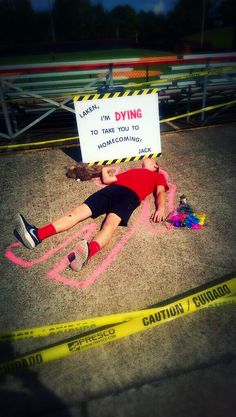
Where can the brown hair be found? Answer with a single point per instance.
(83, 171)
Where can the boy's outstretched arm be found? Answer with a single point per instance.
(160, 200)
(108, 175)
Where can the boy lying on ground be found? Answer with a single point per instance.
(118, 200)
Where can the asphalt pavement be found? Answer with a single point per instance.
(183, 368)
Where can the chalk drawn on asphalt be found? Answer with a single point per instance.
(86, 232)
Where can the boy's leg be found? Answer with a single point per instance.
(107, 230)
(31, 236)
(72, 217)
(101, 239)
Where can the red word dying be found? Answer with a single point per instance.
(128, 114)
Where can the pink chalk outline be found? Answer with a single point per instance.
(86, 232)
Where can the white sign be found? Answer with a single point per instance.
(118, 127)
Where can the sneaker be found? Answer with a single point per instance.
(27, 232)
(78, 259)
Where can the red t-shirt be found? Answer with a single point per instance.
(142, 181)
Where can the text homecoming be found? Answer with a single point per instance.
(119, 139)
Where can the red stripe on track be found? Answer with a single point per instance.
(105, 65)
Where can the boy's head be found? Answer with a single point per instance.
(150, 164)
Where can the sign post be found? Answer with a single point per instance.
(118, 126)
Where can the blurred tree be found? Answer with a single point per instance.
(187, 17)
(191, 17)
(43, 31)
(72, 19)
(152, 29)
(79, 20)
(225, 15)
(123, 22)
(225, 12)
(17, 21)
(97, 25)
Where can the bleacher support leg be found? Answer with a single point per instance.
(189, 102)
(6, 115)
(204, 97)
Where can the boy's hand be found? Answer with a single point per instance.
(158, 216)
(108, 175)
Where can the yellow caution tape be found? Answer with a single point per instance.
(224, 292)
(191, 113)
(195, 74)
(46, 142)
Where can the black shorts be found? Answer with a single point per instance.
(113, 199)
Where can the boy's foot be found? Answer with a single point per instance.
(78, 259)
(27, 232)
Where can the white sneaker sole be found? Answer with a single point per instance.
(23, 233)
(81, 256)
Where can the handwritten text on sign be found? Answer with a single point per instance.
(118, 127)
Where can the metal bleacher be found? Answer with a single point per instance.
(31, 93)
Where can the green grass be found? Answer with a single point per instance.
(81, 56)
(219, 38)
